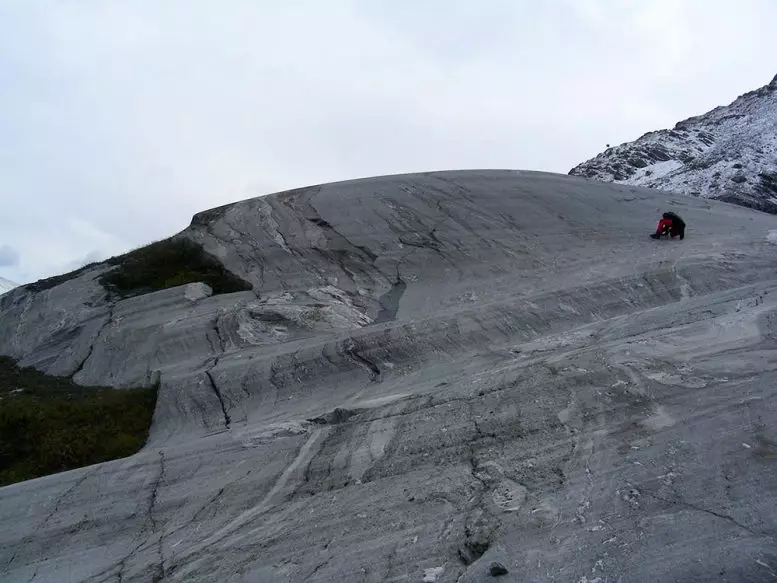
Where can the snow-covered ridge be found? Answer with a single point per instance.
(729, 153)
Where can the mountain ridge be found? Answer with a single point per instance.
(6, 285)
(728, 153)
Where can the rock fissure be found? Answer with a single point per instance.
(480, 524)
(105, 324)
(151, 525)
(350, 350)
(152, 515)
(217, 392)
(317, 568)
(61, 498)
(698, 508)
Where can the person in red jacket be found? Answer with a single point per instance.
(670, 224)
(663, 227)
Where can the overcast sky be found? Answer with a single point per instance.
(121, 119)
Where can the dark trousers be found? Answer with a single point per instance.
(673, 231)
(676, 230)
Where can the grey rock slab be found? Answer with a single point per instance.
(547, 388)
(54, 329)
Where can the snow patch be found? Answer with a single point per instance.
(771, 236)
(654, 171)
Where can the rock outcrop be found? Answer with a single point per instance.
(429, 374)
(729, 153)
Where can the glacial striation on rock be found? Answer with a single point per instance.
(424, 375)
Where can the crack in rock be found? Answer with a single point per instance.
(218, 351)
(333, 235)
(710, 512)
(217, 329)
(105, 324)
(422, 244)
(159, 572)
(480, 526)
(217, 392)
(151, 520)
(318, 568)
(200, 511)
(61, 498)
(349, 349)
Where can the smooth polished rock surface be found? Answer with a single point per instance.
(432, 373)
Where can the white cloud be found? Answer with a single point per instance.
(134, 116)
(91, 257)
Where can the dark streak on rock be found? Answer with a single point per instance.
(217, 392)
(480, 526)
(51, 514)
(159, 573)
(96, 339)
(318, 568)
(350, 350)
(335, 417)
(710, 512)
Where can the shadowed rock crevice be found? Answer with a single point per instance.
(351, 350)
(335, 417)
(481, 524)
(214, 387)
(153, 510)
(106, 323)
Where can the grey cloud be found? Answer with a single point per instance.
(9, 256)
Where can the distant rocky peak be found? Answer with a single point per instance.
(728, 153)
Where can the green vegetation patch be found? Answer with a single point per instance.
(166, 264)
(50, 424)
(161, 265)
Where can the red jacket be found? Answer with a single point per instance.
(663, 224)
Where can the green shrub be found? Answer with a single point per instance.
(50, 424)
(166, 264)
(161, 265)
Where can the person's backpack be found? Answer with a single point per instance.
(675, 218)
